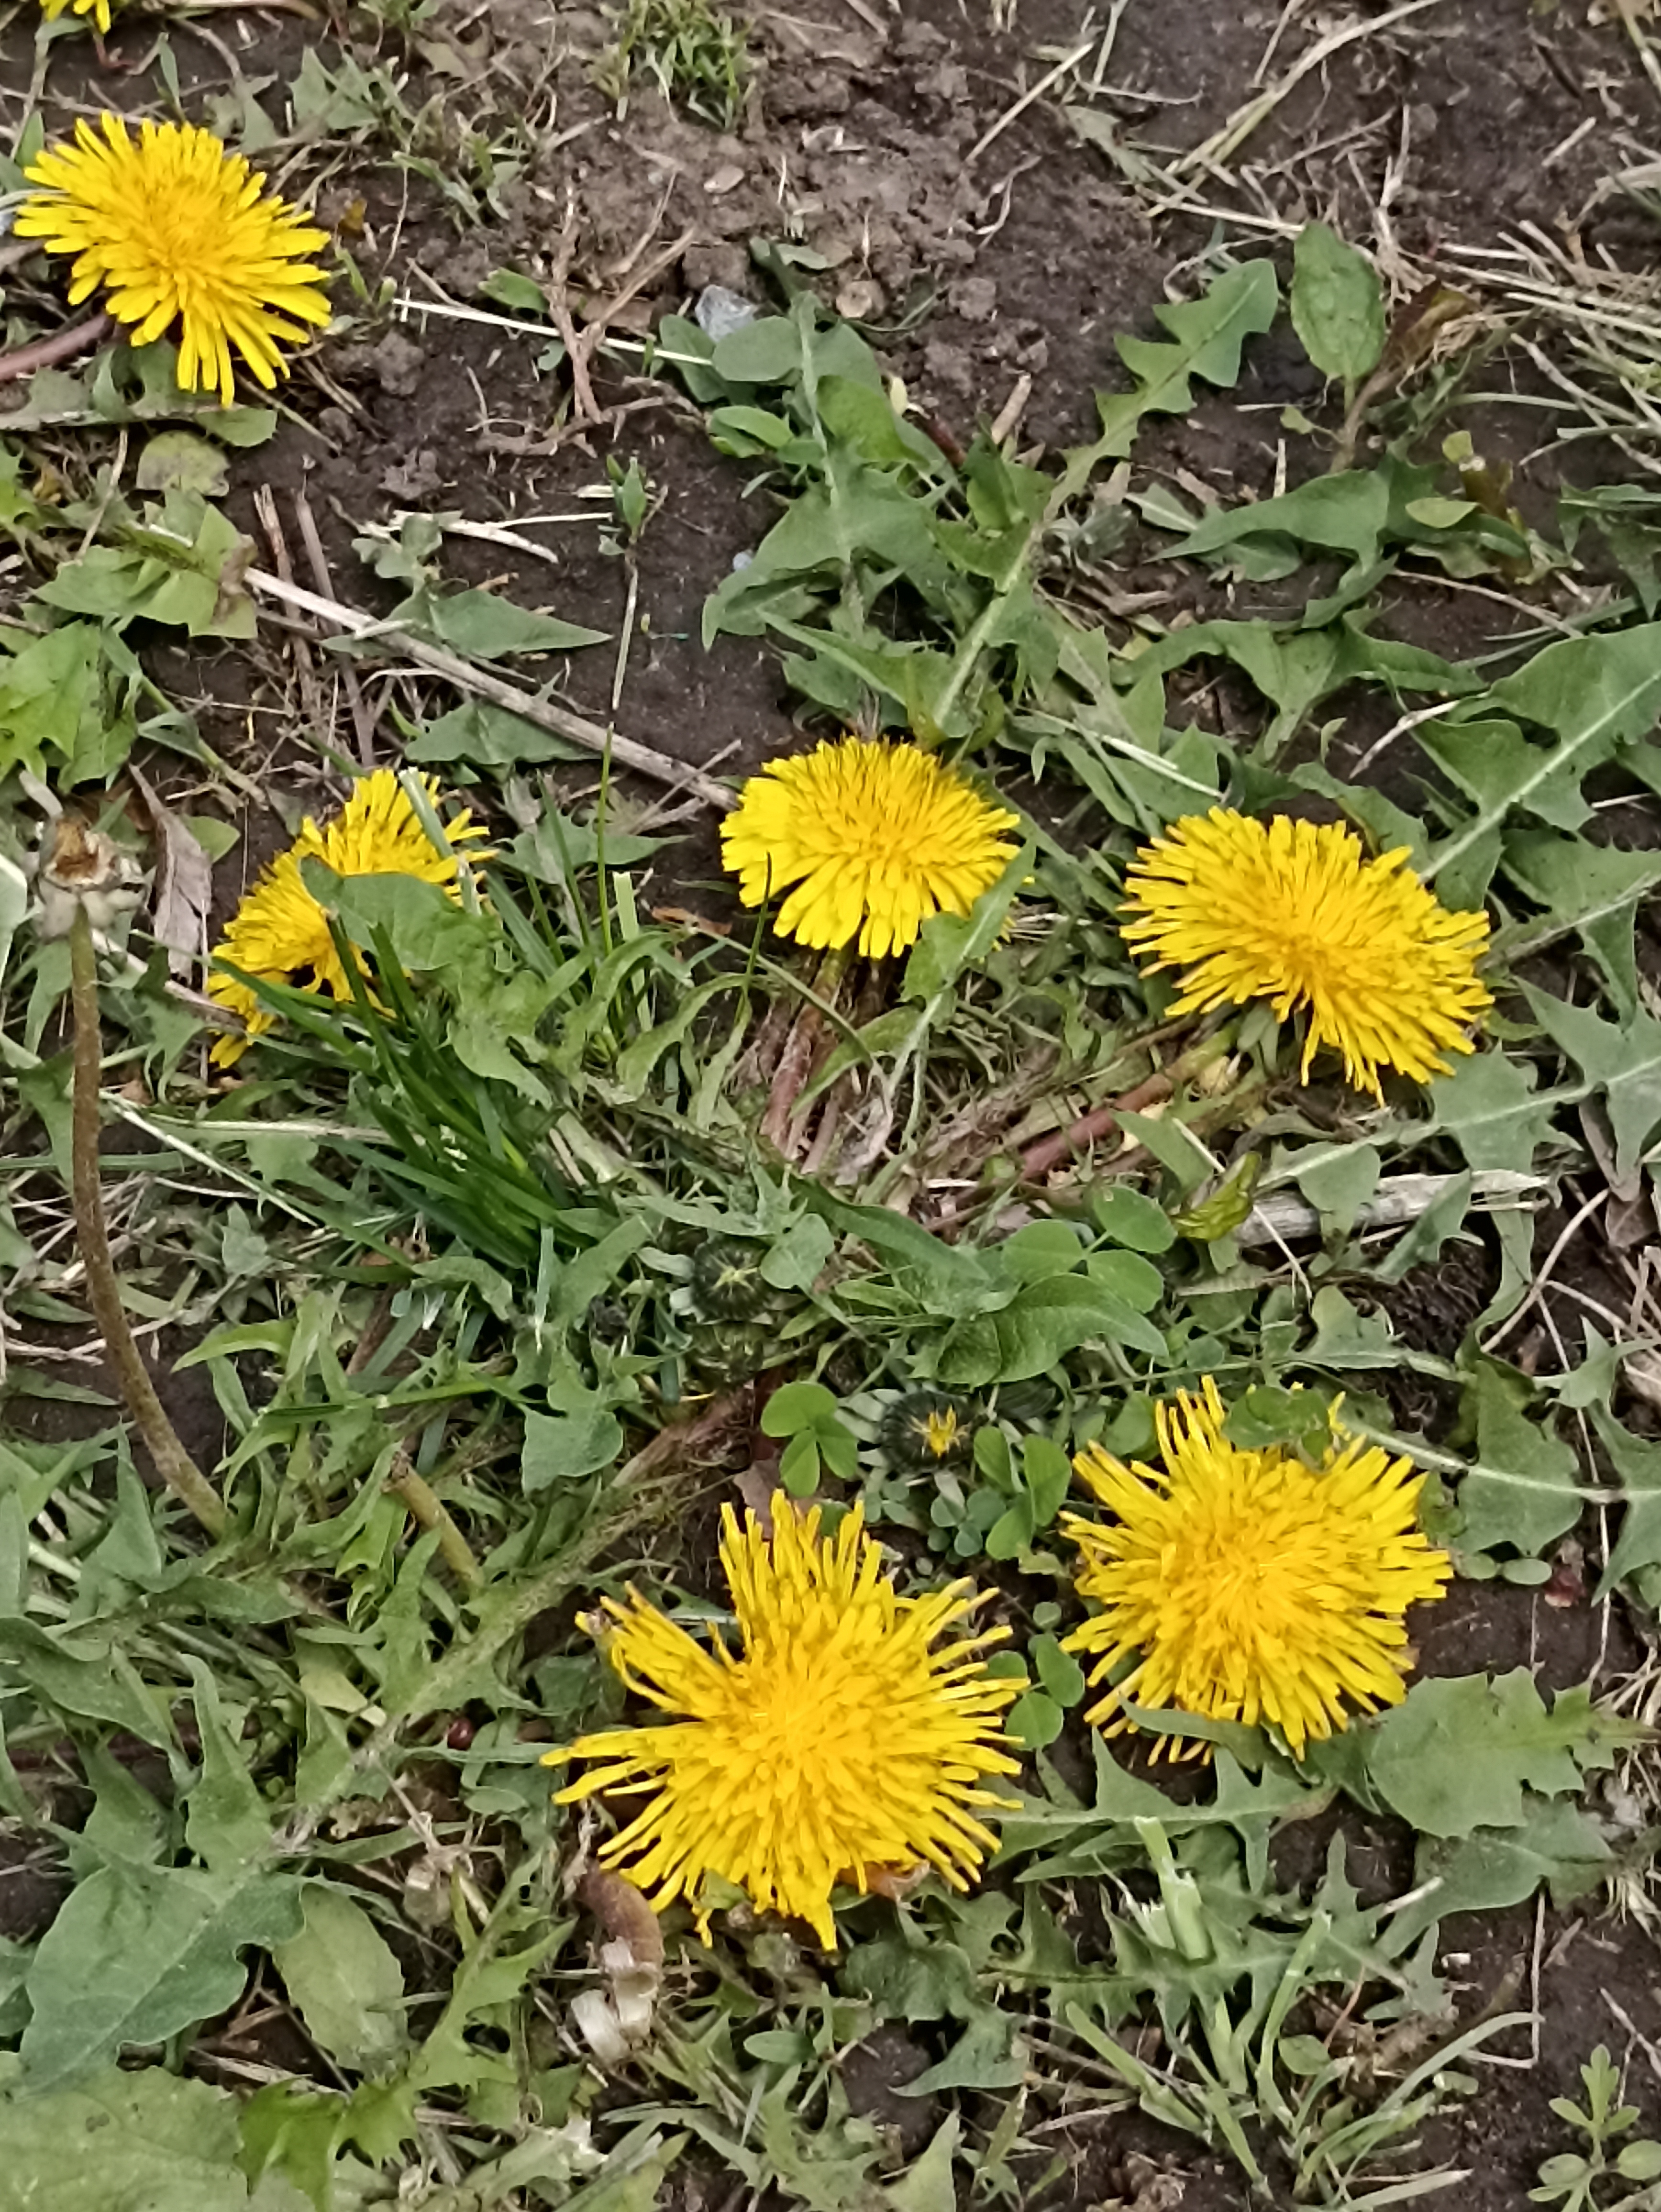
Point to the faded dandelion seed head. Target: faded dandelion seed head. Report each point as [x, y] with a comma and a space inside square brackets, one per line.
[176, 229]
[866, 841]
[1250, 1586]
[281, 934]
[1293, 911]
[848, 1734]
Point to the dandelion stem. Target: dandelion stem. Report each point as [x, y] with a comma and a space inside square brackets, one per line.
[172, 1462]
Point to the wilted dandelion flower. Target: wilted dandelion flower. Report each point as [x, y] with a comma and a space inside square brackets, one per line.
[177, 229]
[843, 1738]
[1294, 913]
[1248, 1585]
[874, 838]
[100, 11]
[281, 934]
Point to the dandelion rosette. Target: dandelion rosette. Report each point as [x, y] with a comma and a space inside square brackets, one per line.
[281, 934]
[178, 229]
[845, 1738]
[1294, 913]
[868, 840]
[1248, 1585]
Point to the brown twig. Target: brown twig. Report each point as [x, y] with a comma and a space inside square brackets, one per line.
[172, 1462]
[1051, 1152]
[363, 716]
[479, 682]
[311, 691]
[47, 352]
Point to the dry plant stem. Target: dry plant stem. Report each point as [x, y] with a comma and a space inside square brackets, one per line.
[1051, 1152]
[431, 1511]
[363, 716]
[62, 345]
[797, 1057]
[480, 683]
[172, 1462]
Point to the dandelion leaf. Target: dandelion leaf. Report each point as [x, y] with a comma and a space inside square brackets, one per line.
[1461, 1751]
[147, 2141]
[1555, 1842]
[1623, 1062]
[1520, 1488]
[1206, 335]
[1637, 1464]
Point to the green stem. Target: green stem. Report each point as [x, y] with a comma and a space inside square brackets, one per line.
[172, 1462]
[431, 1511]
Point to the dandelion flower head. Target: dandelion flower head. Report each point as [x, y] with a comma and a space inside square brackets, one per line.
[175, 228]
[843, 1738]
[1248, 1585]
[100, 10]
[281, 934]
[1294, 913]
[868, 840]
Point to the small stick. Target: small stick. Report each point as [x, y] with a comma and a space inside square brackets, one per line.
[1053, 78]
[363, 716]
[172, 1462]
[1064, 1147]
[542, 713]
[62, 345]
[265, 506]
[431, 1511]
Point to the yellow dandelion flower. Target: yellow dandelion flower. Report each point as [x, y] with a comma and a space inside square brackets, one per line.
[1294, 913]
[875, 838]
[839, 1742]
[1248, 1585]
[281, 934]
[98, 9]
[176, 229]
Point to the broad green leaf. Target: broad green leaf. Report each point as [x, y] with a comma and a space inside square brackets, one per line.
[485, 736]
[81, 1672]
[1339, 1184]
[1593, 889]
[138, 1954]
[1206, 335]
[1337, 304]
[1621, 1063]
[1595, 694]
[227, 1823]
[1637, 1462]
[1555, 1842]
[1036, 1331]
[1488, 1105]
[488, 627]
[796, 1407]
[344, 1982]
[145, 2141]
[766, 351]
[565, 1447]
[1520, 1489]
[913, 1981]
[988, 2055]
[927, 2185]
[1463, 1749]
[1132, 1219]
[795, 1260]
[180, 460]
